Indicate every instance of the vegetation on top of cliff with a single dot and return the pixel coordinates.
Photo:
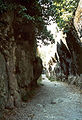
(39, 12)
(64, 12)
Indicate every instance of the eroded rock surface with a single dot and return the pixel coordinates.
(69, 56)
(17, 56)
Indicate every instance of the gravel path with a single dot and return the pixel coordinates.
(54, 101)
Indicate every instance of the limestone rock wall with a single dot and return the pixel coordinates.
(17, 57)
(69, 58)
(78, 19)
(68, 66)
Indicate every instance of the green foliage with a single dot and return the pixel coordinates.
(61, 11)
(23, 13)
(64, 12)
(45, 35)
(3, 6)
(39, 12)
(35, 12)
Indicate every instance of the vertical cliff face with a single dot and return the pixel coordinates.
(70, 59)
(64, 58)
(78, 19)
(78, 26)
(17, 57)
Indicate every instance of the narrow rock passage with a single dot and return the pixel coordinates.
(54, 101)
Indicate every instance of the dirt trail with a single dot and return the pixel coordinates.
(54, 101)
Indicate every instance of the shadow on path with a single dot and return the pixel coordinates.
(53, 101)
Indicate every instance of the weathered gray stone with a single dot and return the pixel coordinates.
(37, 69)
(70, 59)
(17, 99)
(78, 19)
(17, 56)
(3, 82)
(10, 102)
(80, 81)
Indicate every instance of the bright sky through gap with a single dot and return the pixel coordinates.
(50, 50)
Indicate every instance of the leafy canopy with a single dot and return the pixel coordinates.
(39, 12)
(64, 11)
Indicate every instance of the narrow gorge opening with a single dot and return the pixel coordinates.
(32, 31)
(60, 59)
